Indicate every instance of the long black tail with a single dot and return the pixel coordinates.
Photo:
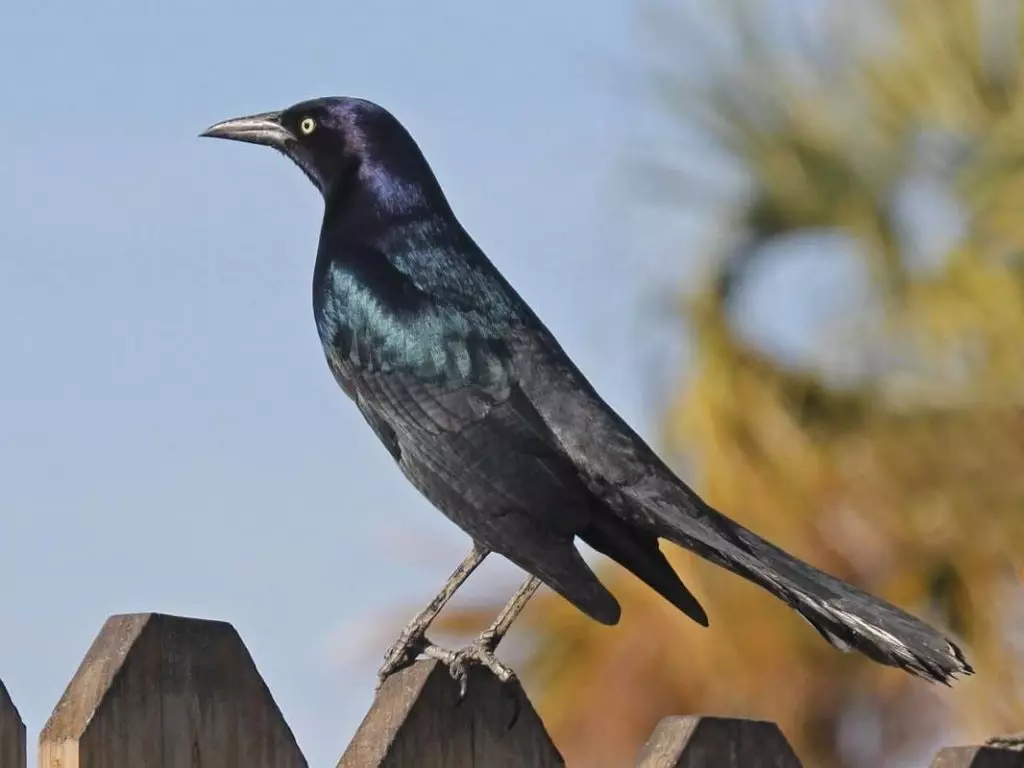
(845, 616)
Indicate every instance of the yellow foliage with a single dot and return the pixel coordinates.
(903, 475)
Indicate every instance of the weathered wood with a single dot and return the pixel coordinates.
(716, 742)
(980, 757)
(12, 733)
(167, 692)
(417, 719)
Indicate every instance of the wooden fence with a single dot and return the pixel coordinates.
(159, 691)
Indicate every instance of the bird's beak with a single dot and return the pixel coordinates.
(264, 128)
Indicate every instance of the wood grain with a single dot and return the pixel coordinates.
(418, 720)
(167, 692)
(716, 742)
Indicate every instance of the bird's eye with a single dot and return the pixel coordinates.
(307, 126)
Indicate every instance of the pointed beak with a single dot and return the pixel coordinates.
(264, 129)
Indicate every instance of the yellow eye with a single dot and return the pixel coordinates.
(307, 126)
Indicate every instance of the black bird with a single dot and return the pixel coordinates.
(489, 418)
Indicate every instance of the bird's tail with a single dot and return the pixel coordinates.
(845, 616)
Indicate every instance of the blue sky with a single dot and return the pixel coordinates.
(170, 437)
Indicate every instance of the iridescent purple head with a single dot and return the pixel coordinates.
(338, 142)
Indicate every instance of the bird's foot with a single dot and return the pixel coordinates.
(410, 644)
(480, 651)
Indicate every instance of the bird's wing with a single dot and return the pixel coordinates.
(484, 442)
(444, 396)
(634, 483)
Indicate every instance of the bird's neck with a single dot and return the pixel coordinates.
(380, 190)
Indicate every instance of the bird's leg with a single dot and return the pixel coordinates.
(481, 650)
(412, 641)
(495, 633)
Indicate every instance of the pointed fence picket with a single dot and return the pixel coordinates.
(169, 692)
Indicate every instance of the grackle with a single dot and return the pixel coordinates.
(488, 417)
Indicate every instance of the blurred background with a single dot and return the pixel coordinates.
(782, 237)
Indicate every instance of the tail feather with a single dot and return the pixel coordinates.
(848, 618)
(637, 551)
(560, 565)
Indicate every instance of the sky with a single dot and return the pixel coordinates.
(170, 437)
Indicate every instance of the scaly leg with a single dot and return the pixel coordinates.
(412, 641)
(481, 650)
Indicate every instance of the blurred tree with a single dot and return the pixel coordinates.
(892, 131)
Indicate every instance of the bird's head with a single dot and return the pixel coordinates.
(338, 142)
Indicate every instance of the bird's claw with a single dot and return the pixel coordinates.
(479, 652)
(410, 644)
